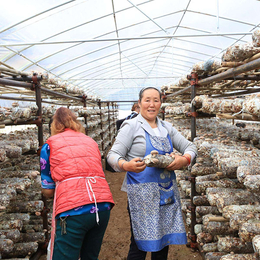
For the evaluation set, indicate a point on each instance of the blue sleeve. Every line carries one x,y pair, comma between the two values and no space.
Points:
46,179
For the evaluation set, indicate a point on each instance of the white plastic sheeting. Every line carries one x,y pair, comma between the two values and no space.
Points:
113,48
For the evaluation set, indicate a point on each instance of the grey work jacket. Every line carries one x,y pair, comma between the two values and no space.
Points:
130,141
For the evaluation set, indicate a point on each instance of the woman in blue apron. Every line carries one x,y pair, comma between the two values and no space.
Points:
153,196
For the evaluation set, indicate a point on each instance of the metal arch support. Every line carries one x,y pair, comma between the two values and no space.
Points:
102,48
104,57
221,17
28,66
135,65
170,38
77,43
74,28
111,67
237,40
165,67
27,19
147,16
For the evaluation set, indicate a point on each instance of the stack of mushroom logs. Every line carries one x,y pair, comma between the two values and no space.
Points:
237,108
101,125
227,188
16,114
21,223
227,175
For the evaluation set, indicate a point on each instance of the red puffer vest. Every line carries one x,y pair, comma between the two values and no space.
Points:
76,168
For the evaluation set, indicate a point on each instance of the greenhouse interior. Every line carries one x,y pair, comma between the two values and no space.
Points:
97,59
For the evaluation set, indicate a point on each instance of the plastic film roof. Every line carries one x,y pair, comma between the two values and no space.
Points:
113,48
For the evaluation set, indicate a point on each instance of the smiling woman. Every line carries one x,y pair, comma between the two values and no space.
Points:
153,197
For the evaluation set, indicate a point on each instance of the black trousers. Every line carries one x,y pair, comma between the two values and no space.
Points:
136,254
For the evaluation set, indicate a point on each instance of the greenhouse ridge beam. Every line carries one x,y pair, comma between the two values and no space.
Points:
126,39
173,77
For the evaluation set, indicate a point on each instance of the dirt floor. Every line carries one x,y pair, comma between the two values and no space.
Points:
117,237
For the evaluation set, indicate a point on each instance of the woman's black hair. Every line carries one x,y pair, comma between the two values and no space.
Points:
143,89
51,120
135,105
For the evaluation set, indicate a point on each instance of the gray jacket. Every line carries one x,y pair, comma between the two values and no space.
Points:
130,141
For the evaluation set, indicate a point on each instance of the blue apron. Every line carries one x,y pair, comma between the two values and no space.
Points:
154,202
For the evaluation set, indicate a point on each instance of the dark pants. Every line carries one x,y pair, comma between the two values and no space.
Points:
136,254
83,237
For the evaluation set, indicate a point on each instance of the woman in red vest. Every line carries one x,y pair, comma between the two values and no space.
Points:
71,170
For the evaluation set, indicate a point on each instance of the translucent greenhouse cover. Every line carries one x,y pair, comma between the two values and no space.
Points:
113,48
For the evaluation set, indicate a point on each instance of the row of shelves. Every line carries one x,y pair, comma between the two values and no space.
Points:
221,92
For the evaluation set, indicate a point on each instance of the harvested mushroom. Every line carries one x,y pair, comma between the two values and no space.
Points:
154,159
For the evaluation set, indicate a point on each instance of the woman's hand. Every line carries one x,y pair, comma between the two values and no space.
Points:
48,193
135,165
178,162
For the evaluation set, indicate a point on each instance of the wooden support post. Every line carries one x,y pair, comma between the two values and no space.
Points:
193,81
37,88
85,116
109,126
101,125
